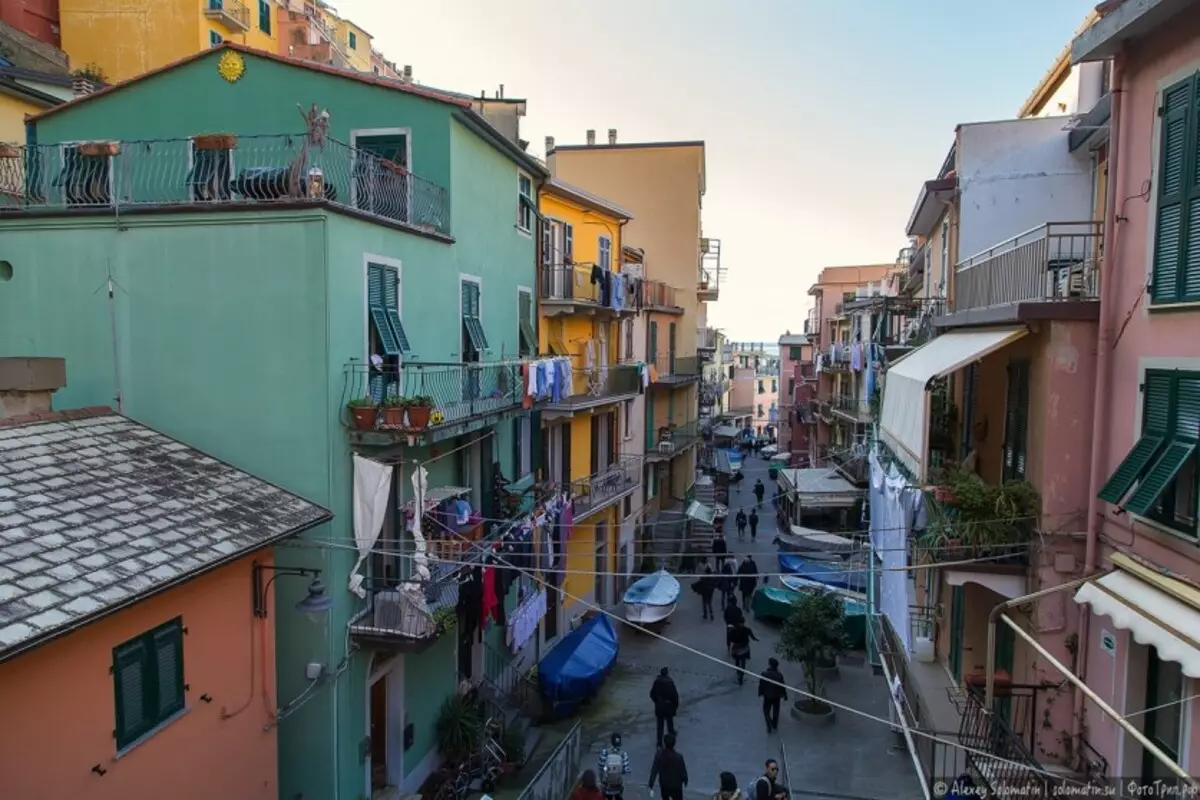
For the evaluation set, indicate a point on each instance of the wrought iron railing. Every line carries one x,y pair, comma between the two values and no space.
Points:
595,382
656,294
1057,261
216,170
234,11
577,283
1009,767
706,338
905,322
557,777
594,492
411,611
670,368
518,689
453,393
678,436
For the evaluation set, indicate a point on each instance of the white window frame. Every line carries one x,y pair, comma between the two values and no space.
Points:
396,264
478,281
522,208
192,165
604,251
367,133
112,166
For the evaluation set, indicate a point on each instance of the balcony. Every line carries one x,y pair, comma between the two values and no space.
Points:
1006,734
671,440
596,386
408,618
581,288
1051,272
233,14
708,283
848,407
851,462
461,398
658,296
606,487
706,339
217,172
671,370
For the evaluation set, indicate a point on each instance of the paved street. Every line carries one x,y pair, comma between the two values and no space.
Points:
720,724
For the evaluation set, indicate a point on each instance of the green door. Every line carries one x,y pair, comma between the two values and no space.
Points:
381,183
956,631
1164,690
1003,660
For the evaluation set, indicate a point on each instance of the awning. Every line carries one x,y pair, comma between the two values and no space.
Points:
699,511
905,419
1152,615
725,431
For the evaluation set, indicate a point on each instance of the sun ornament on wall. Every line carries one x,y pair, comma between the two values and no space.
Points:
231,66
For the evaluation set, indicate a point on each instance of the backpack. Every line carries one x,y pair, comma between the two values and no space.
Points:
614,768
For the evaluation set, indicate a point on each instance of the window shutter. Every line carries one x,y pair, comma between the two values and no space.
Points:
168,660
1160,476
1178,132
1131,469
596,444
391,307
377,306
1190,267
653,342
131,684
1187,408
568,244
1156,403
1020,443
566,453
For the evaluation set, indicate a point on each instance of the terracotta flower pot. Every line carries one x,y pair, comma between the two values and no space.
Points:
943,494
9,151
364,417
393,416
97,149
418,416
215,141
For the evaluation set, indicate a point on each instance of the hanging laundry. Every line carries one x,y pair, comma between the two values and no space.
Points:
488,601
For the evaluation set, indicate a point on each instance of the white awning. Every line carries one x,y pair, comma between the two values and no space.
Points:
904,421
1151,615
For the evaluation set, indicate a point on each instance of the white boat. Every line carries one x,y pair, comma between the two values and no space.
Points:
797,584
651,598
814,543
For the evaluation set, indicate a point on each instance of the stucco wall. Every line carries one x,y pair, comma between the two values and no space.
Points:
59,704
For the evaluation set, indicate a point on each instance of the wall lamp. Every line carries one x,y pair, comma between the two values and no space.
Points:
316,604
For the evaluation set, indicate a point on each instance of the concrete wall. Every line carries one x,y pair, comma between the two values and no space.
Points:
1014,175
60,699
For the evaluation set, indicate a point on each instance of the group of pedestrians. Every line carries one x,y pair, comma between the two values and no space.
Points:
729,581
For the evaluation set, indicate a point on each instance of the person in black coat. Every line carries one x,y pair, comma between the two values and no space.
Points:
727,581
665,697
739,647
747,580
706,586
770,689
719,546
753,524
733,616
670,769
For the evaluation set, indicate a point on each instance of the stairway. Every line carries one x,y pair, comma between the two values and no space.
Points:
513,702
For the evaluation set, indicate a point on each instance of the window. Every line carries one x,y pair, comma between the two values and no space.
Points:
568,243
794,353
148,681
732,368
605,253
352,39
1160,469
528,335
525,207
671,349
264,16
215,39
383,304
774,386
791,387
547,246
653,346
474,340
627,420
761,390
760,411
628,339
1016,421
651,482
523,434
1175,270
945,255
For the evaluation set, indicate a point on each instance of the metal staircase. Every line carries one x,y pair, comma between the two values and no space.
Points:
513,703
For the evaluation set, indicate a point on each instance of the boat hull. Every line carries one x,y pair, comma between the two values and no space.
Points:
645,614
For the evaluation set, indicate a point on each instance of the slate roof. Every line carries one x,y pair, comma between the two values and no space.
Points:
97,511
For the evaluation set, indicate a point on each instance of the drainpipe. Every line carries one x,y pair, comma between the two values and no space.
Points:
1100,408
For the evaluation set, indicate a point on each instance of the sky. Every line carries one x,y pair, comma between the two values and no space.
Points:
821,120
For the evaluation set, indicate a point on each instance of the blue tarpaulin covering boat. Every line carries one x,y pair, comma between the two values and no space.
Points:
652,598
574,670
841,574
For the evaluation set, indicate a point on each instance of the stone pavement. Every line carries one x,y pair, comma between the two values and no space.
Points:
720,724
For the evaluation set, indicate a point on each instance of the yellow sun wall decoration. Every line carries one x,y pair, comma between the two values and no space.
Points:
231,66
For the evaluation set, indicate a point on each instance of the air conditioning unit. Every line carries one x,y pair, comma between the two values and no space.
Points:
666,447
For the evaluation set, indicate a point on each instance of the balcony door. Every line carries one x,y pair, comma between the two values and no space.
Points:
381,183
1164,722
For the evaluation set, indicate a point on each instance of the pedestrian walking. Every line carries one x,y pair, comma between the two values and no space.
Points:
670,769
747,580
720,547
759,491
614,765
740,636
733,616
740,520
767,786
727,581
729,789
665,697
772,692
753,525
706,586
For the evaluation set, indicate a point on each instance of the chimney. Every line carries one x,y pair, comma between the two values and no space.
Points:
81,86
591,137
549,145
408,73
26,384
612,135
501,94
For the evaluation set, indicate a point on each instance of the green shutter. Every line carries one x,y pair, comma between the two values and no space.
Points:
1190,265
1130,469
391,306
957,614
536,453
650,440
1187,407
1159,477
529,342
794,353
671,348
168,658
130,681
377,306
1156,403
1177,137
1016,428
264,16
653,354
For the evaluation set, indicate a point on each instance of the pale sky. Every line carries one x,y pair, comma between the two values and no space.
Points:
821,119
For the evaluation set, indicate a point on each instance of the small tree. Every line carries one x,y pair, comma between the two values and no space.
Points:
814,635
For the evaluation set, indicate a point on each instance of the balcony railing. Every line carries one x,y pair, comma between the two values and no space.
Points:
579,283
1005,734
671,439
598,384
706,339
456,393
232,13
217,171
407,618
598,491
708,281
1055,262
658,296
672,369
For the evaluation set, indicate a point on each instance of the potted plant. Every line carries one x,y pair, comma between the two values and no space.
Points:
458,729
814,635
444,620
98,149
215,141
9,150
363,411
419,409
393,411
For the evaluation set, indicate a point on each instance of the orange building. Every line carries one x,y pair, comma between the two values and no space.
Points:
136,628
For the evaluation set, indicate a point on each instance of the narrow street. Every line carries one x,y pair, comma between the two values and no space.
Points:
720,725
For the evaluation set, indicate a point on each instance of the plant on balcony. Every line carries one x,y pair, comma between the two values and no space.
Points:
968,511
90,72
420,409
444,621
459,729
814,635
363,411
393,411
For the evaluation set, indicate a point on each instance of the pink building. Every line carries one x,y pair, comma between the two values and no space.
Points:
797,387
1140,642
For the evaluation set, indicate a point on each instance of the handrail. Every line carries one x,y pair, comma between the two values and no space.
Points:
562,780
1044,228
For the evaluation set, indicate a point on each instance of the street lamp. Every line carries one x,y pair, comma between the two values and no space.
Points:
316,604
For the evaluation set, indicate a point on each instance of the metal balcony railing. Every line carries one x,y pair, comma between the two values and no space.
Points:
577,283
671,368
454,393
708,280
1054,262
408,617
1010,767
670,439
598,491
217,170
598,383
232,13
658,295
706,339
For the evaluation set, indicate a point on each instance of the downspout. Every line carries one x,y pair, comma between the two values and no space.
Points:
1100,407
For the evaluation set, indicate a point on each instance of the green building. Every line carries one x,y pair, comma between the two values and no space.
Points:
220,248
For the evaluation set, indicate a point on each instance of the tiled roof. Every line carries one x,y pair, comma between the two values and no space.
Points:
97,511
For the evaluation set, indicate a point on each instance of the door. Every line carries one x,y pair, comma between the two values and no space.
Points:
1164,722
1003,659
957,607
381,182
379,706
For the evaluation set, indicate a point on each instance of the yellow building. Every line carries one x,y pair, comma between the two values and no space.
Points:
583,433
355,43
124,38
